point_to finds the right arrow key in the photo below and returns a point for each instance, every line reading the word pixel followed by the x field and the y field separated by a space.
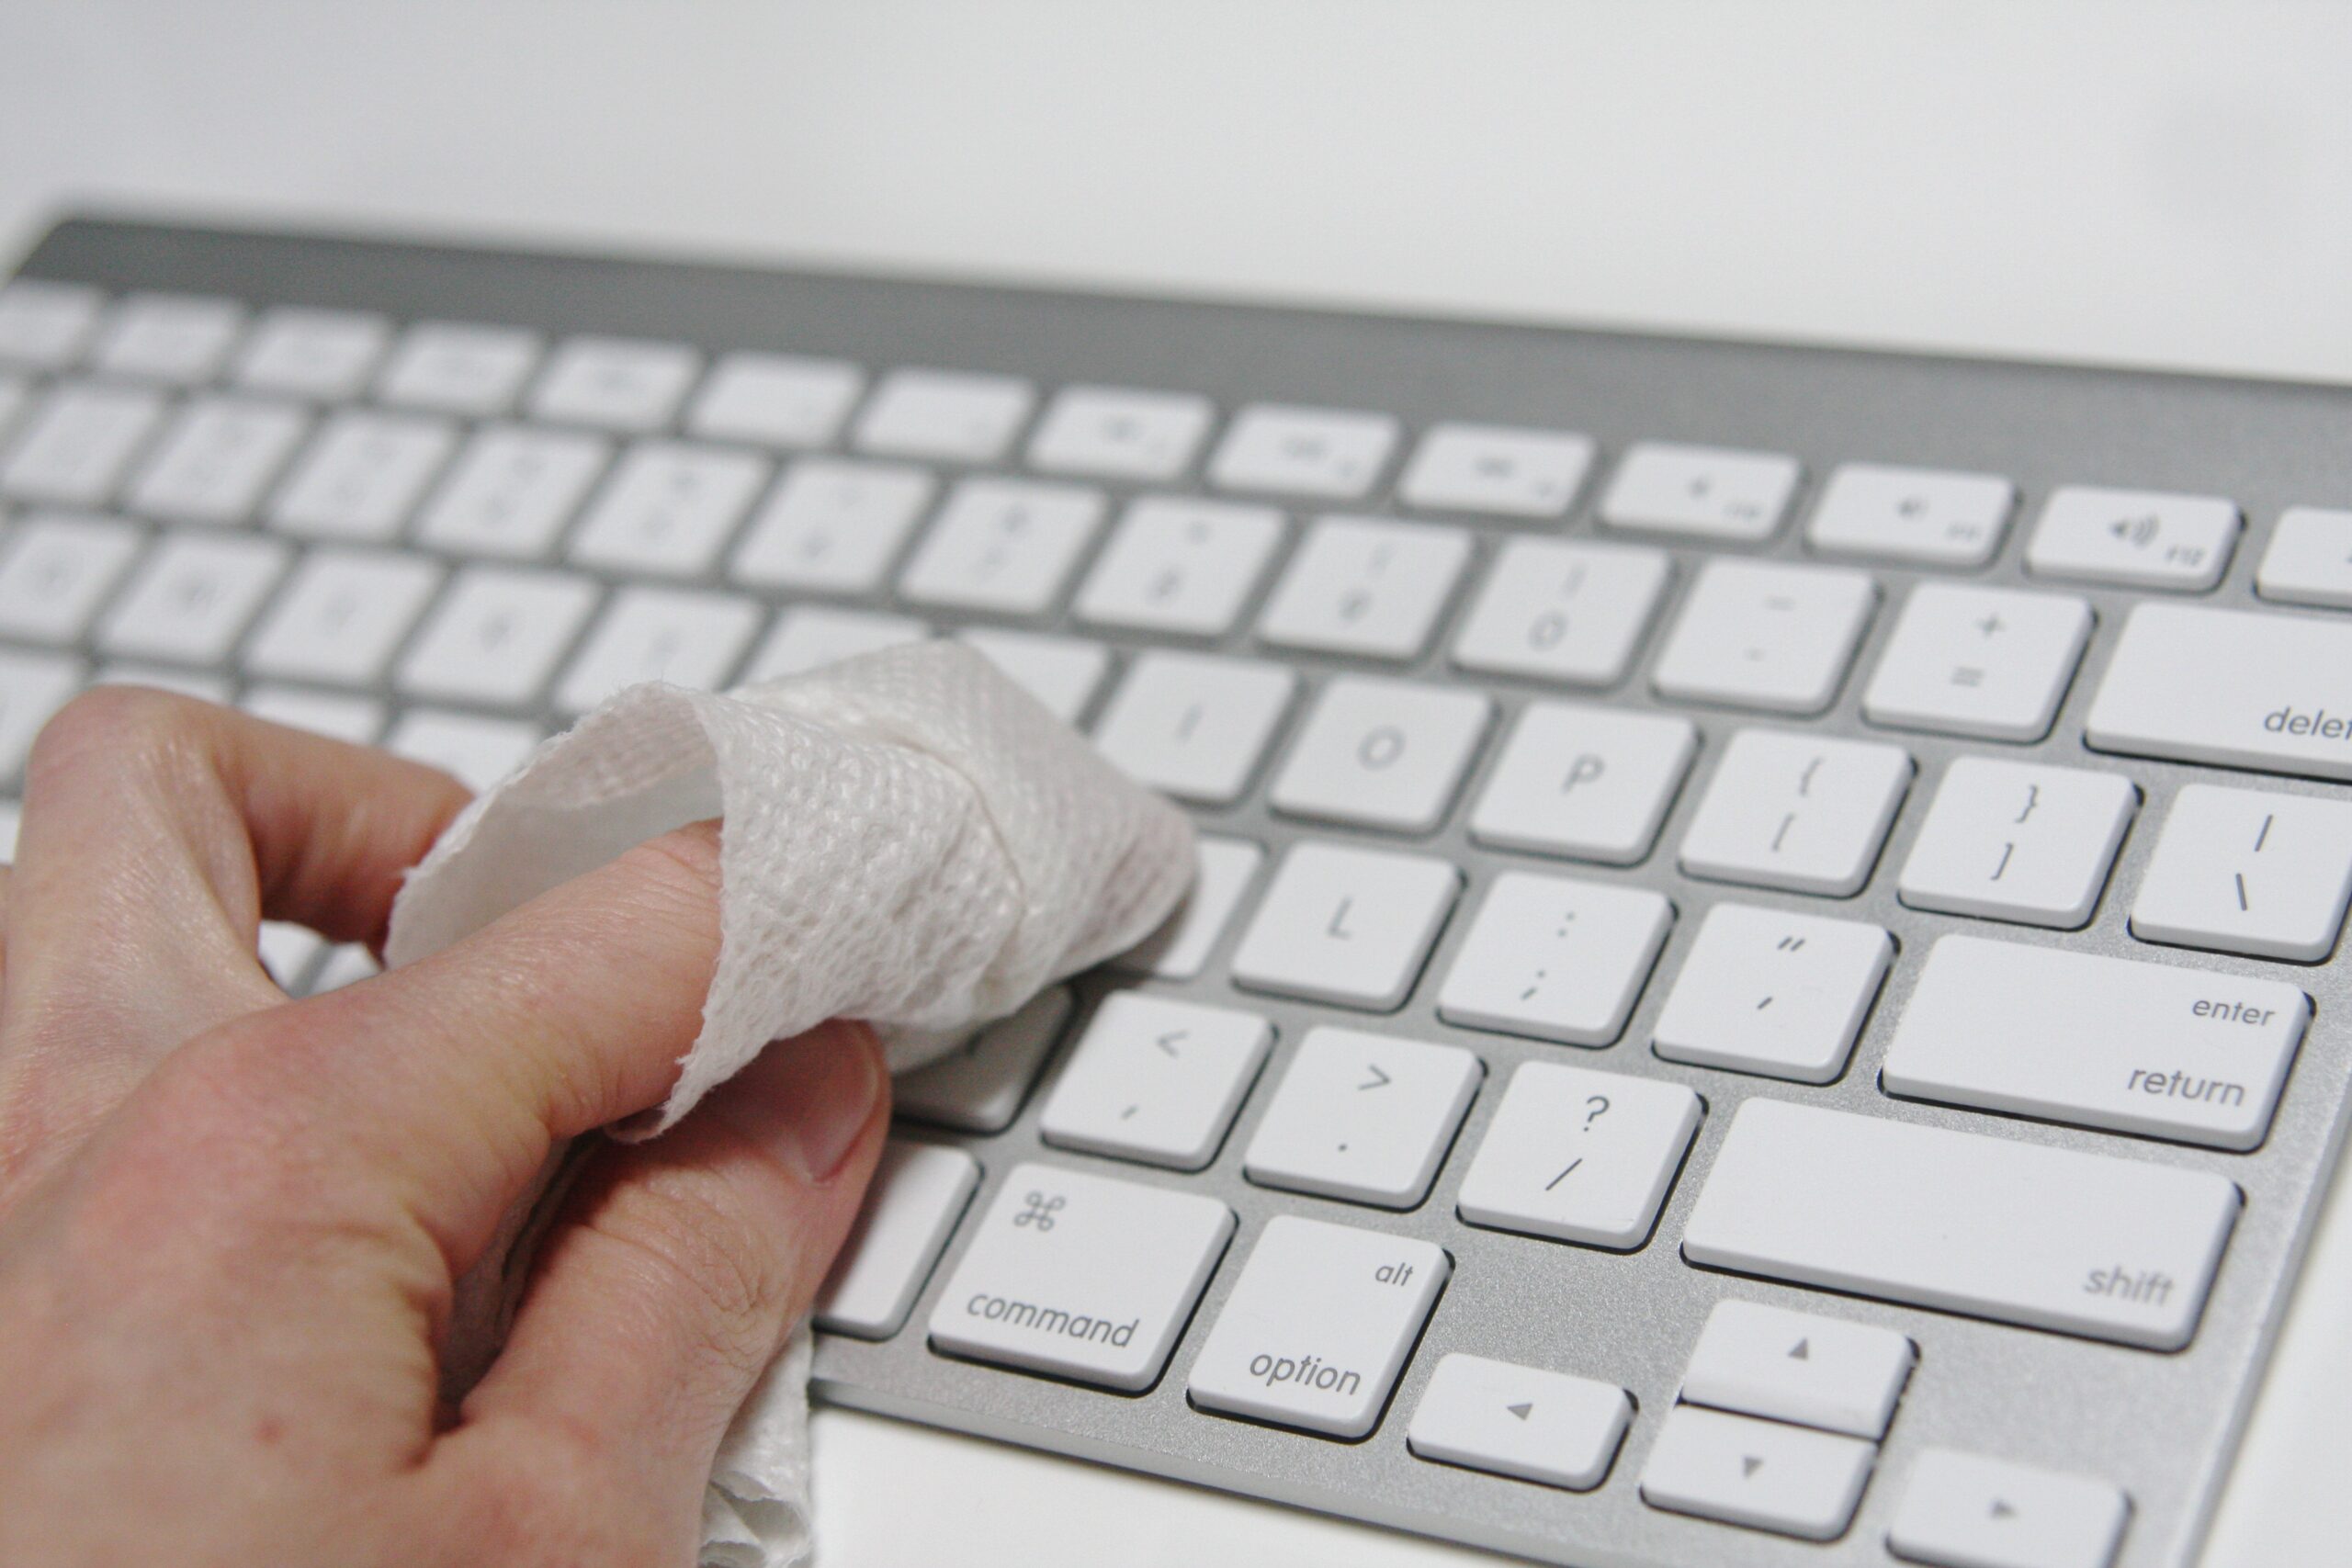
pixel 1965 1510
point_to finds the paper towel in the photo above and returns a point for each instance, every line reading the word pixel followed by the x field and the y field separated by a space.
pixel 907 838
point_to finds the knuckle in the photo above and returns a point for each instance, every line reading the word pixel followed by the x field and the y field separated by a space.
pixel 110 723
pixel 709 1261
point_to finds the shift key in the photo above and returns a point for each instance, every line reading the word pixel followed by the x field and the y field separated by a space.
pixel 2235 688
pixel 1081 1277
pixel 2085 1244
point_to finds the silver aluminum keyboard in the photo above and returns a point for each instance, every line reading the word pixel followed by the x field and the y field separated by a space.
pixel 1761 984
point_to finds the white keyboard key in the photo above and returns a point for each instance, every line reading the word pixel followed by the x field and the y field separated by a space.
pixel 1923 515
pixel 659 634
pixel 918 1193
pixel 2029 1233
pixel 1562 611
pixel 2240 871
pixel 1497 468
pixel 1979 662
pixel 1556 958
pixel 45 324
pixel 1002 545
pixel 1195 725
pixel 1758 1473
pixel 2309 559
pixel 1547 1428
pixel 335 715
pixel 1766 991
pixel 191 597
pixel 1062 672
pixel 1081 1277
pixel 1364 586
pixel 360 476
pixel 1759 636
pixel 56 569
pixel 32 687
pixel 1346 926
pixel 831 525
pixel 2133 1047
pixel 1183 567
pixel 1333 453
pixel 345 965
pixel 477 752
pixel 1791 810
pixel 204 688
pixel 978 1085
pixel 2141 538
pixel 813 635
pixel 1155 1080
pixel 624 384
pixel 1963 1510
pixel 1792 1366
pixel 2233 688
pixel 313 354
pixel 342 615
pixel 74 448
pixel 1382 754
pixel 1589 782
pixel 774 399
pixel 1578 1155
pixel 495 636
pixel 2017 842
pixel 1180 949
pixel 512 491
pixel 1363 1117
pixel 168 337
pixel 1318 1326
pixel 1111 433
pixel 1703 492
pixel 210 464
pixel 943 413
pixel 453 368
pixel 667 510
pixel 287 950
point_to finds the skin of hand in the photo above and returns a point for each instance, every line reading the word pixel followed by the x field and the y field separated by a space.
pixel 230 1223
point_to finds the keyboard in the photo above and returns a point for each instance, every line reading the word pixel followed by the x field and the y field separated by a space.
pixel 1760 985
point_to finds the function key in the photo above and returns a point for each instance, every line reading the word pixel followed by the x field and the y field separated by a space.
pixel 1911 515
pixel 452 368
pixel 2139 538
pixel 2309 559
pixel 313 354
pixel 943 413
pixel 614 383
pixel 1333 453
pixel 776 399
pixel 1704 493
pixel 1491 467
pixel 43 325
pixel 182 339
pixel 1108 433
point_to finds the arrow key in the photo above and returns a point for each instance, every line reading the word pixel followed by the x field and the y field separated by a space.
pixel 1519 1421
pixel 1963 1510
pixel 1760 1474
pixel 1792 1366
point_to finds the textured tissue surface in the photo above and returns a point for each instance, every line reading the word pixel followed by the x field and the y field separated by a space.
pixel 907 838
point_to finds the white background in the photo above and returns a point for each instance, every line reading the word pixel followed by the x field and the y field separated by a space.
pixel 2169 185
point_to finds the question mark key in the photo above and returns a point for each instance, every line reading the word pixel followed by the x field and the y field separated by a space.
pixel 1543 1168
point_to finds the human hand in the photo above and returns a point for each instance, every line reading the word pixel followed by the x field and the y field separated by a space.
pixel 230 1225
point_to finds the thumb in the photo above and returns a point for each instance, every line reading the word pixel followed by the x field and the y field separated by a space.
pixel 668 1282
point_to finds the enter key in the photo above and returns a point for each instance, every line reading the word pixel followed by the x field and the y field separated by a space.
pixel 2165 1051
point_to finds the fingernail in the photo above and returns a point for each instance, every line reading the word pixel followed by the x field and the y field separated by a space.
pixel 809 1098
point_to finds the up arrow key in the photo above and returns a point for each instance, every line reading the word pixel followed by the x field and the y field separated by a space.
pixel 1521 1410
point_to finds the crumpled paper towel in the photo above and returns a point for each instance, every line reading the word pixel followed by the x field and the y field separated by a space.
pixel 907 838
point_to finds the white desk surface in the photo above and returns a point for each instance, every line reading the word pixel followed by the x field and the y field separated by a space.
pixel 2160 184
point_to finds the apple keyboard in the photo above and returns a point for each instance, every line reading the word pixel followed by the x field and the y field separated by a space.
pixel 1759 988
